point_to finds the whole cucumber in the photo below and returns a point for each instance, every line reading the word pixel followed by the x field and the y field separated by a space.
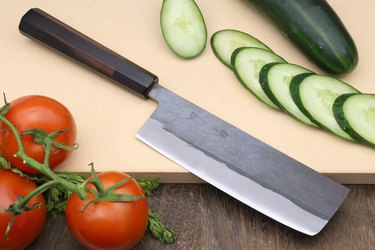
pixel 315 28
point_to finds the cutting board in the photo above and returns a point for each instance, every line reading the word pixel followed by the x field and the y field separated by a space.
pixel 108 116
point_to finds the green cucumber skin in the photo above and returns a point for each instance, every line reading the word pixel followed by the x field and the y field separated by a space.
pixel 234 54
pixel 263 80
pixel 217 53
pixel 315 28
pixel 338 112
pixel 294 91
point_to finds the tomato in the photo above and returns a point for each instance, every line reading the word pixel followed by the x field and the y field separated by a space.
pixel 108 225
pixel 36 112
pixel 26 226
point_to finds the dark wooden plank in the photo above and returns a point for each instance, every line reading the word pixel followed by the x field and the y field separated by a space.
pixel 205 218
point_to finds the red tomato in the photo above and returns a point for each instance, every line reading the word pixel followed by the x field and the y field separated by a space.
pixel 26 226
pixel 36 112
pixel 109 225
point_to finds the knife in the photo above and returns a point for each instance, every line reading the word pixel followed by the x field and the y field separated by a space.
pixel 207 146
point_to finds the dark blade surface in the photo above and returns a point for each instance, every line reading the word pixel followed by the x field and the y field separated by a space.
pixel 240 164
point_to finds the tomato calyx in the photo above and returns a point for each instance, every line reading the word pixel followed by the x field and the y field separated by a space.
pixel 16 209
pixel 41 137
pixel 4 109
pixel 107 194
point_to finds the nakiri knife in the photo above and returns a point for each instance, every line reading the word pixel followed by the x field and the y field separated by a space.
pixel 222 155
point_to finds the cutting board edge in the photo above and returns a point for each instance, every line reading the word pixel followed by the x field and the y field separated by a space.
pixel 189 178
pixel 352 178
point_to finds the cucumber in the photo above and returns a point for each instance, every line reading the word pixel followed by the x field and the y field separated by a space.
pixel 224 42
pixel 183 27
pixel 355 113
pixel 315 28
pixel 247 63
pixel 315 94
pixel 275 80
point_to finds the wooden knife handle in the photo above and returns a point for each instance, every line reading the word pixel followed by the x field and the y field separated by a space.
pixel 46 29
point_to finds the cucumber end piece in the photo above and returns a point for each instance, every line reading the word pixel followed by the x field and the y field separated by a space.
pixel 183 28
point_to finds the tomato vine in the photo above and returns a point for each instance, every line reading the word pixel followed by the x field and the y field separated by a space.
pixel 61 185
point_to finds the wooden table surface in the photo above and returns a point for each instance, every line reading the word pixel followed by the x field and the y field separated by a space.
pixel 206 218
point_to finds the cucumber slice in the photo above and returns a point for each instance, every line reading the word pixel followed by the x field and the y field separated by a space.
pixel 315 94
pixel 247 63
pixel 355 113
pixel 183 27
pixel 224 42
pixel 275 79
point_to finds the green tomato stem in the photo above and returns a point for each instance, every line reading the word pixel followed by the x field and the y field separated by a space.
pixel 39 190
pixel 43 167
pixel 97 183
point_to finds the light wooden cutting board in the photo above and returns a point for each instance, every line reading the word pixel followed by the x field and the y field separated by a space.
pixel 108 116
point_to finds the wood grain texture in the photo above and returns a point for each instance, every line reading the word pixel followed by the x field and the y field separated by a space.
pixel 206 218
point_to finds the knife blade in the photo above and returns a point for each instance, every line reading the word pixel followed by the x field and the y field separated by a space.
pixel 230 159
